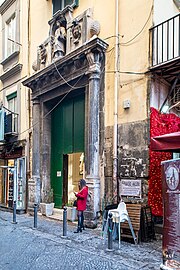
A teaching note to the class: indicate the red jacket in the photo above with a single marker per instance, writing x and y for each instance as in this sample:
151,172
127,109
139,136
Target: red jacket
82,199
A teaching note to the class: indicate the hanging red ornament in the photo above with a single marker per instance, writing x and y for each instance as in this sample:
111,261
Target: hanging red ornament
159,124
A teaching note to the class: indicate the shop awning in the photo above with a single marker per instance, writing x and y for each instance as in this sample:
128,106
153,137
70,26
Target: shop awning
169,142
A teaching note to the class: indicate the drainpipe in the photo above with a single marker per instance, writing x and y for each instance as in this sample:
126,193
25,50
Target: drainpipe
116,80
28,172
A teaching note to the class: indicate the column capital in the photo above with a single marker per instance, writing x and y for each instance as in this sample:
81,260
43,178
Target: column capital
94,59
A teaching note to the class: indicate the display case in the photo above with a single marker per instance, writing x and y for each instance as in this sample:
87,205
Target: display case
21,183
10,187
14,183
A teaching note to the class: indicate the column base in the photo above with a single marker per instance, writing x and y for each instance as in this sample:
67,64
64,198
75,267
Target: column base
33,192
93,202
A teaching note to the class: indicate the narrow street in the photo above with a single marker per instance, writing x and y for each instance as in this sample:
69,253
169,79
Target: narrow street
22,247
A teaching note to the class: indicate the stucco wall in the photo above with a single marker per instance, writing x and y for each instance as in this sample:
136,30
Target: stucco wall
133,16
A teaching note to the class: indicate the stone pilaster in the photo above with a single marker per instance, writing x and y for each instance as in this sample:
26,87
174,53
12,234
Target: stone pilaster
34,184
46,153
92,148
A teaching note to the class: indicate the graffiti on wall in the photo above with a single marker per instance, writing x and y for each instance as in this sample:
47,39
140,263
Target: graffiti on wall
132,167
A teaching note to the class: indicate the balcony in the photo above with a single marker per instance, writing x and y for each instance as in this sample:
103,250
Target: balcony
165,41
165,49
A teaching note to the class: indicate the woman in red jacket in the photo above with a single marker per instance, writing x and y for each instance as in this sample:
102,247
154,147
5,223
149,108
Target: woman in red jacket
81,204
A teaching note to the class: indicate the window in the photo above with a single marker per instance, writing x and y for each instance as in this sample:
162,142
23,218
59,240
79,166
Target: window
12,107
60,4
10,36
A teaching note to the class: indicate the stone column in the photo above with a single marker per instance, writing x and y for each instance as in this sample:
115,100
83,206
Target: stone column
46,152
92,133
35,183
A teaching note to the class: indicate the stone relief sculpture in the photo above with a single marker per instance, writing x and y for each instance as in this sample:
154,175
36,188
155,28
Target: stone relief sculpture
35,65
76,31
43,54
59,41
94,29
65,36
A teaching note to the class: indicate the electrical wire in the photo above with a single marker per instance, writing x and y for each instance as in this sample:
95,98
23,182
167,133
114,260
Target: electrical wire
72,87
127,72
129,41
130,82
66,82
29,129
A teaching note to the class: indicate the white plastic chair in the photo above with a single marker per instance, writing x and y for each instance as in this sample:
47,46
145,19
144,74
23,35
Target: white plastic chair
120,215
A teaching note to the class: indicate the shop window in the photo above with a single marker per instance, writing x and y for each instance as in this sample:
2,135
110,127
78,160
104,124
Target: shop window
60,4
10,36
12,110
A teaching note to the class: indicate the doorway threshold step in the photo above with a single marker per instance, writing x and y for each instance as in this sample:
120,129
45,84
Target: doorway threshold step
57,214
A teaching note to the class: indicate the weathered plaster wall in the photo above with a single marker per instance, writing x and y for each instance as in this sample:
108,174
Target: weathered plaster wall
133,155
133,149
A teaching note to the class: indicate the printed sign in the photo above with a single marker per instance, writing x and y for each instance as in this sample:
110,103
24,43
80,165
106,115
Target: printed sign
131,188
58,173
171,202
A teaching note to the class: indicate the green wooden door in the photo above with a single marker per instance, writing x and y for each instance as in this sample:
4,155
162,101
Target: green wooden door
67,134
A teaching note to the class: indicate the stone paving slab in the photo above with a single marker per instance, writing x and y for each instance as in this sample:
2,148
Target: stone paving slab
89,243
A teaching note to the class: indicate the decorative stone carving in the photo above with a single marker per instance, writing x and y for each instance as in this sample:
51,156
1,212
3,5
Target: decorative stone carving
35,65
76,31
43,54
94,61
77,62
94,29
59,41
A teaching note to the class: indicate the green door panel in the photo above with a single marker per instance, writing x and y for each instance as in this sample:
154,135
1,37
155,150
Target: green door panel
56,159
67,136
79,108
68,127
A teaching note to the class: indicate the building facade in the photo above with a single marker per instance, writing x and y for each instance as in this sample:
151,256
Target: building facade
94,78
86,85
15,104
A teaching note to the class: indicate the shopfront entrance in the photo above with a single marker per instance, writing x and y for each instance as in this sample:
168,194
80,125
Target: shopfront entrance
13,183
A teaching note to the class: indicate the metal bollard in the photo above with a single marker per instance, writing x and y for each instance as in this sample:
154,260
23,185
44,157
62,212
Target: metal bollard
35,215
14,212
110,230
65,221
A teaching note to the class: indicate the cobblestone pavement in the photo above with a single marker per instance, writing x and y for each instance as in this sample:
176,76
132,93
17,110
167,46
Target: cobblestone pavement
22,247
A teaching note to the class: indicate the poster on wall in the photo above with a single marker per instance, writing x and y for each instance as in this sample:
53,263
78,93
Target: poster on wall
130,188
171,215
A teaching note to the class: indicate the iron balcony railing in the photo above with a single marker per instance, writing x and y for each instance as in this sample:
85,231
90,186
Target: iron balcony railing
165,41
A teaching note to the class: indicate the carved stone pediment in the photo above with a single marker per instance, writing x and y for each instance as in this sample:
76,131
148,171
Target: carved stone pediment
80,62
65,36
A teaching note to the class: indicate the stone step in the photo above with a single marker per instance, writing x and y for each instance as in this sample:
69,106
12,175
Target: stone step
58,214
57,211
